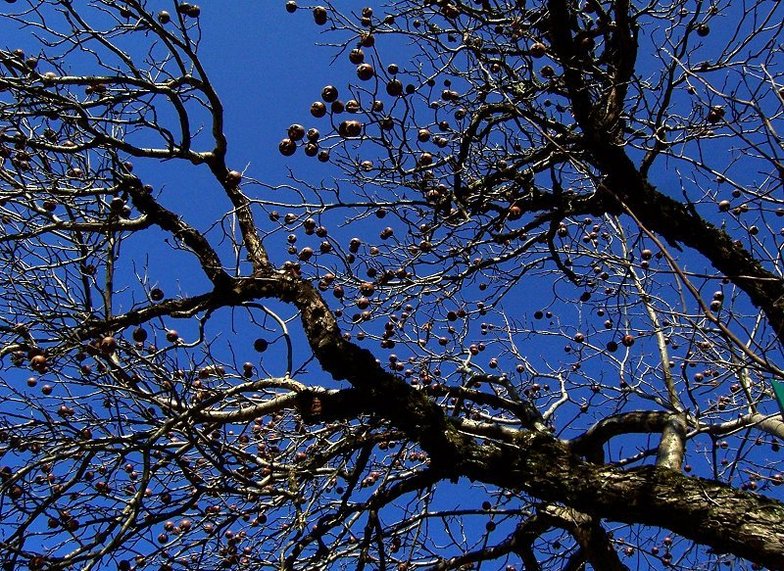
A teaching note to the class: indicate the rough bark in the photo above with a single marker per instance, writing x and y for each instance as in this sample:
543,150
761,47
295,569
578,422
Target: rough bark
596,546
704,511
670,218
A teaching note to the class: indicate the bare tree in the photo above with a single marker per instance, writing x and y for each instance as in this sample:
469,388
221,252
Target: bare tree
545,279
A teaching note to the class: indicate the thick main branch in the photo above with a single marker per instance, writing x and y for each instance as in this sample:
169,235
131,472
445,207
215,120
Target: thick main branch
704,511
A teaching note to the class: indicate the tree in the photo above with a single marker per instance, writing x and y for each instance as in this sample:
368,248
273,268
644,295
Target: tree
544,278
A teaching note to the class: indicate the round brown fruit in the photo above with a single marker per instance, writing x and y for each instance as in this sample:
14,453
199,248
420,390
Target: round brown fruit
365,71
287,147
296,132
305,254
367,39
38,362
387,123
350,129
108,344
394,87
320,15
318,109
450,95
538,49
329,93
139,335
311,149
715,114
356,56
291,6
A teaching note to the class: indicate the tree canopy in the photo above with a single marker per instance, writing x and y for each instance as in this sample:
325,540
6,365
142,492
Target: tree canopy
517,305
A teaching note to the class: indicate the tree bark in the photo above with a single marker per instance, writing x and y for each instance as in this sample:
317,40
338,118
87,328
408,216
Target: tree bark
670,218
704,511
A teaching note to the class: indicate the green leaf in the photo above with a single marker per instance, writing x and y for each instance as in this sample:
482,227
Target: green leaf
778,390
